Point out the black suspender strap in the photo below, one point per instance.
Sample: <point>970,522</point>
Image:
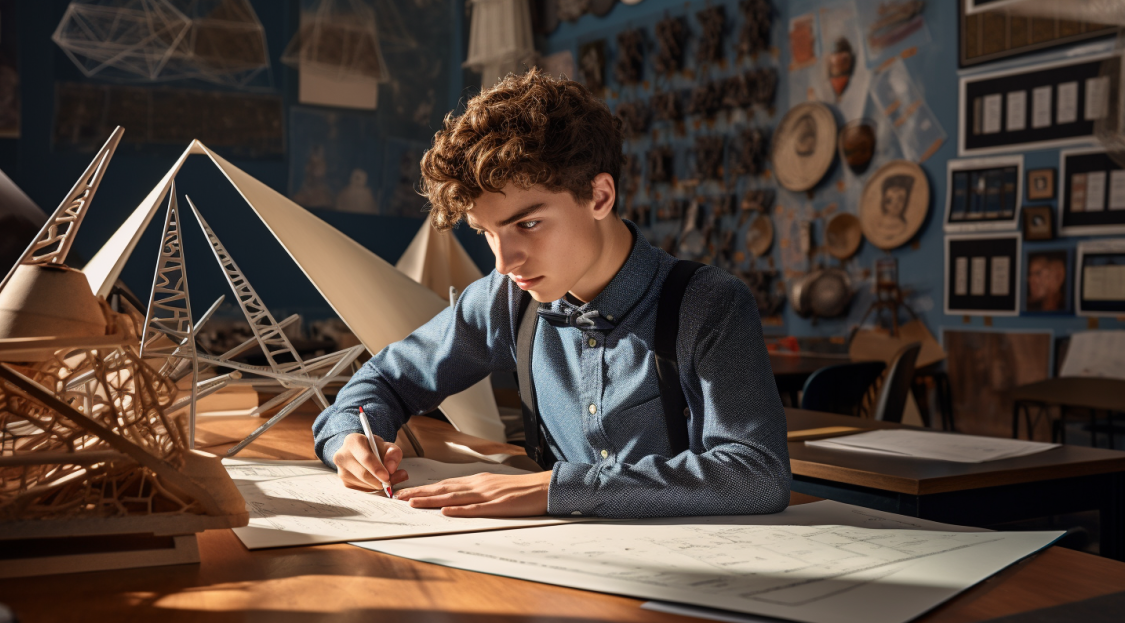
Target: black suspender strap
<point>676,411</point>
<point>672,397</point>
<point>534,442</point>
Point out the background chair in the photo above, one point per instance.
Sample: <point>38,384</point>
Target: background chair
<point>841,388</point>
<point>896,386</point>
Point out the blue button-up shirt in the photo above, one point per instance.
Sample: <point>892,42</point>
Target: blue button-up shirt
<point>598,394</point>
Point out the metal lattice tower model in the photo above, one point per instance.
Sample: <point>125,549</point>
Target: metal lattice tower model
<point>270,335</point>
<point>54,240</point>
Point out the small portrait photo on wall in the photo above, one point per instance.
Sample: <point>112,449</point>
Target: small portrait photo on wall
<point>1038,223</point>
<point>1048,282</point>
<point>1040,184</point>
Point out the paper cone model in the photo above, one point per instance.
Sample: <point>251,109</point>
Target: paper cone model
<point>378,303</point>
<point>437,260</point>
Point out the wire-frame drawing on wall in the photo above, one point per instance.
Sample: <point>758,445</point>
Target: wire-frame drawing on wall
<point>218,41</point>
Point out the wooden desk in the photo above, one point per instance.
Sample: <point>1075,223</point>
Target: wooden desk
<point>1089,394</point>
<point>1061,480</point>
<point>791,370</point>
<point>346,583</point>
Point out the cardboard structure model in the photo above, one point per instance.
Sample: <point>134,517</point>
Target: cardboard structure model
<point>379,304</point>
<point>438,261</point>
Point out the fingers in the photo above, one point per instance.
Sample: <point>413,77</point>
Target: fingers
<point>399,476</point>
<point>392,455</point>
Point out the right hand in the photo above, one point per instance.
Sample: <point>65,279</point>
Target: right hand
<point>358,469</point>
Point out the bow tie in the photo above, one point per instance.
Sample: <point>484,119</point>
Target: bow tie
<point>587,321</point>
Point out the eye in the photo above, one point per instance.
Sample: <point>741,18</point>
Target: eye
<point>528,224</point>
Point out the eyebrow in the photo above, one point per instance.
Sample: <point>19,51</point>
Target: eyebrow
<point>522,213</point>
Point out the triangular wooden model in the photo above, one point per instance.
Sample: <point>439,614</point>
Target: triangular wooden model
<point>379,304</point>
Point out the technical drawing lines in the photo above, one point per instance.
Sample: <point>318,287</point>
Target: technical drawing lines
<point>53,243</point>
<point>275,345</point>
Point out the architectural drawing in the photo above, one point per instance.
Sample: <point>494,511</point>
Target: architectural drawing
<point>815,563</point>
<point>304,502</point>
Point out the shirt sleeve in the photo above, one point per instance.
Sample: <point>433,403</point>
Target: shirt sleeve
<point>454,350</point>
<point>738,461</point>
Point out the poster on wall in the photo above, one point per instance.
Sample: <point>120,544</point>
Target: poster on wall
<point>9,72</point>
<point>987,32</point>
<point>1042,106</point>
<point>985,193</point>
<point>1100,277</point>
<point>336,160</point>
<point>1047,282</point>
<point>982,274</point>
<point>984,367</point>
<point>1092,199</point>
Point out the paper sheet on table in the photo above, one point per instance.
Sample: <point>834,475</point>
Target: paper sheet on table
<point>942,446</point>
<point>1095,353</point>
<point>817,563</point>
<point>304,503</point>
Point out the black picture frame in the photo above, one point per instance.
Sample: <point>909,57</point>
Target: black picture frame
<point>983,274</point>
<point>1102,209</point>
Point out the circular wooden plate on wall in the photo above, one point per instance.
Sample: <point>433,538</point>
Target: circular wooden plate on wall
<point>894,204</point>
<point>843,235</point>
<point>759,236</point>
<point>804,146</point>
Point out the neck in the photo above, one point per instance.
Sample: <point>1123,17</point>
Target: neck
<point>617,245</point>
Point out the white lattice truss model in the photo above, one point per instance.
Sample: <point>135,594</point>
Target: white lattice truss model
<point>302,380</point>
<point>220,41</point>
<point>319,250</point>
<point>53,243</point>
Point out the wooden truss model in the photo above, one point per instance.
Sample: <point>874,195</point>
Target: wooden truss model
<point>90,443</point>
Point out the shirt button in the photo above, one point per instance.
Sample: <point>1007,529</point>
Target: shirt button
<point>593,409</point>
<point>576,513</point>
<point>609,318</point>
<point>605,454</point>
<point>592,342</point>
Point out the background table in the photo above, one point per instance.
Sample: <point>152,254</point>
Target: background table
<point>345,583</point>
<point>1062,480</point>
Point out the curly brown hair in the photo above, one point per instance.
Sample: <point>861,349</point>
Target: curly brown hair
<point>527,130</point>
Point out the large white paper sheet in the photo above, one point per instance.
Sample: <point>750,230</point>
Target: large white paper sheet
<point>942,446</point>
<point>304,503</point>
<point>818,563</point>
<point>1095,353</point>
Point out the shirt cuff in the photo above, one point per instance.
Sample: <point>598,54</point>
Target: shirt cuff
<point>330,447</point>
<point>572,489</point>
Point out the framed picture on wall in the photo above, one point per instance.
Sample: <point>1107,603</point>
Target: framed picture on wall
<point>1036,107</point>
<point>1099,277</point>
<point>987,32</point>
<point>1047,281</point>
<point>1092,199</point>
<point>1041,184</point>
<point>985,194</point>
<point>1038,223</point>
<point>982,274</point>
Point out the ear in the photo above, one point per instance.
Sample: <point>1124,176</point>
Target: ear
<point>605,196</point>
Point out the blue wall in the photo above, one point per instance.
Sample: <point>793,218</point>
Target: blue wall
<point>935,71</point>
<point>46,174</point>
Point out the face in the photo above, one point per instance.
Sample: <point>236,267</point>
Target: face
<point>547,242</point>
<point>1045,277</point>
<point>894,201</point>
<point>806,136</point>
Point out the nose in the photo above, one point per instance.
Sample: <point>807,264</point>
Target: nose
<point>509,254</point>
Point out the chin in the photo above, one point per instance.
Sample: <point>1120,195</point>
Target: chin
<point>546,295</point>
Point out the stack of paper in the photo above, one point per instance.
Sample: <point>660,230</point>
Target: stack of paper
<point>941,446</point>
<point>819,563</point>
<point>1095,353</point>
<point>304,502</point>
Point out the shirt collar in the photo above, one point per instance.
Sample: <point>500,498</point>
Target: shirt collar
<point>627,287</point>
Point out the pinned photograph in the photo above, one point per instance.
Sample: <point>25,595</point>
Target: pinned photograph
<point>1048,282</point>
<point>1038,223</point>
<point>1040,184</point>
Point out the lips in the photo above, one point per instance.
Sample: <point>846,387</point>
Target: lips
<point>525,284</point>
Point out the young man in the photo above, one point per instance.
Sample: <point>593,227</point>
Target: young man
<point>533,164</point>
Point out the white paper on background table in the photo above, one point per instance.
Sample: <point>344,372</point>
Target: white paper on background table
<point>304,503</point>
<point>1095,353</point>
<point>817,563</point>
<point>941,446</point>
